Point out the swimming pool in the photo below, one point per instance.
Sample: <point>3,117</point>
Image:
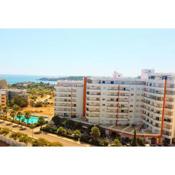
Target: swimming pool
<point>31,120</point>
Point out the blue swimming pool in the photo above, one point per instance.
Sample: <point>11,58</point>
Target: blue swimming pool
<point>31,120</point>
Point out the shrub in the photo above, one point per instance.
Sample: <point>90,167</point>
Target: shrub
<point>70,132</point>
<point>116,142</point>
<point>85,138</point>
<point>77,134</point>
<point>25,139</point>
<point>61,131</point>
<point>102,142</point>
<point>141,142</point>
<point>41,121</point>
<point>40,142</point>
<point>4,131</point>
<point>15,135</point>
<point>19,101</point>
<point>55,144</point>
<point>48,128</point>
<point>38,104</point>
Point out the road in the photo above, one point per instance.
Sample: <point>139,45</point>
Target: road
<point>50,137</point>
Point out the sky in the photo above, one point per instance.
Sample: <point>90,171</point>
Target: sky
<point>96,52</point>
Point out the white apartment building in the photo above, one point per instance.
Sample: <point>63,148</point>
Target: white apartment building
<point>111,101</point>
<point>159,104</point>
<point>69,99</point>
<point>148,100</point>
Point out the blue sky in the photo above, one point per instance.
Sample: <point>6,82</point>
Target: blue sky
<point>86,51</point>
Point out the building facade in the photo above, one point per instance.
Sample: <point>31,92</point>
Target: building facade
<point>148,100</point>
<point>3,98</point>
<point>111,101</point>
<point>159,105</point>
<point>11,93</point>
<point>69,99</point>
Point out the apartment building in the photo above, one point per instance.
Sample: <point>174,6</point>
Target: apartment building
<point>69,99</point>
<point>111,101</point>
<point>105,101</point>
<point>148,100</point>
<point>3,98</point>
<point>159,105</point>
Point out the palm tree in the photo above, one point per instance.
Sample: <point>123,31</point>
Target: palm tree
<point>95,132</point>
<point>5,111</point>
<point>13,114</point>
<point>0,108</point>
<point>16,107</point>
<point>19,116</point>
<point>134,140</point>
<point>27,116</point>
<point>0,111</point>
<point>77,134</point>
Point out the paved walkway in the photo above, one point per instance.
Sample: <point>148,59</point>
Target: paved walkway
<point>50,137</point>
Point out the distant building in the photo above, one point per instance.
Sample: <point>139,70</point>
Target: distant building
<point>3,98</point>
<point>116,75</point>
<point>11,93</point>
<point>146,73</point>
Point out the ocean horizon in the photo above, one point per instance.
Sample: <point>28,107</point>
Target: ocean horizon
<point>12,79</point>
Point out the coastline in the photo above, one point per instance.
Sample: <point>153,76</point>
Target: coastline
<point>13,79</point>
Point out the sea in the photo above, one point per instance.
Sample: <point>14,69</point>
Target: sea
<point>12,79</point>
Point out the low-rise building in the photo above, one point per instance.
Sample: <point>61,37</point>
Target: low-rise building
<point>11,93</point>
<point>3,98</point>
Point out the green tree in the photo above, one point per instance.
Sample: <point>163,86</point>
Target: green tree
<point>117,142</point>
<point>95,132</point>
<point>16,108</point>
<point>27,116</point>
<point>41,121</point>
<point>61,131</point>
<point>134,140</point>
<point>13,114</point>
<point>77,134</point>
<point>5,111</point>
<point>19,101</point>
<point>19,116</point>
<point>1,111</point>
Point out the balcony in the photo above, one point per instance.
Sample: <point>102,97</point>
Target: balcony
<point>92,111</point>
<point>94,89</point>
<point>93,104</point>
<point>93,99</point>
<point>93,93</point>
<point>61,100</point>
